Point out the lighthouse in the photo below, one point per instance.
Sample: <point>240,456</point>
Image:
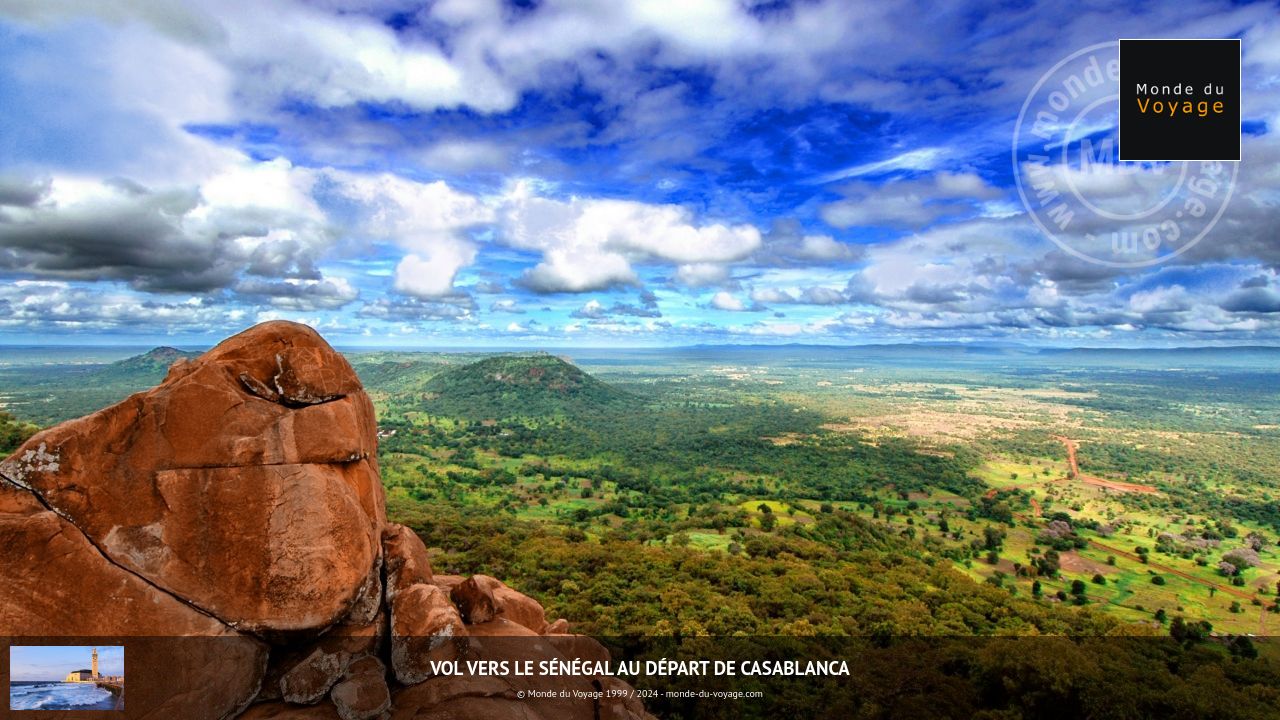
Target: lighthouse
<point>95,663</point>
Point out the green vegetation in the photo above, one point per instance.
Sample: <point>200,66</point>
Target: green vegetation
<point>13,432</point>
<point>519,386</point>
<point>812,491</point>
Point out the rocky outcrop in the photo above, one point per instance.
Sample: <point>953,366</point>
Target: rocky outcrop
<point>228,526</point>
<point>263,509</point>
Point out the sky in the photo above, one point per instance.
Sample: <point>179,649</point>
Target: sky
<point>589,173</point>
<point>53,662</point>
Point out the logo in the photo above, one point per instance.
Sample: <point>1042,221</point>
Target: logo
<point>1180,100</point>
<point>1082,196</point>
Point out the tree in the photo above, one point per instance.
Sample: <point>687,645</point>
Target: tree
<point>1241,646</point>
<point>768,521</point>
<point>1157,580</point>
<point>1098,579</point>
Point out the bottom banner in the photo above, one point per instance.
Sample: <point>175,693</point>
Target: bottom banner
<point>1195,674</point>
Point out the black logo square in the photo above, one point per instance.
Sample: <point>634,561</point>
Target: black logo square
<point>1179,100</point>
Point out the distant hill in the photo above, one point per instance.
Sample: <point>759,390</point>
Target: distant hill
<point>511,385</point>
<point>143,370</point>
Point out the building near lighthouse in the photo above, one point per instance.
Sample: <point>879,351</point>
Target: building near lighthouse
<point>88,675</point>
<point>79,676</point>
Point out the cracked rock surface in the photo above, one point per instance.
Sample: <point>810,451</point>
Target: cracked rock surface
<point>229,528</point>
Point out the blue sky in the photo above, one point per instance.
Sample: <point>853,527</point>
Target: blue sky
<point>53,662</point>
<point>592,173</point>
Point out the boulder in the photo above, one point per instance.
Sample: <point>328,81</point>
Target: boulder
<point>57,584</point>
<point>425,627</point>
<point>481,598</point>
<point>310,679</point>
<point>447,582</point>
<point>245,484</point>
<point>344,640</point>
<point>363,692</point>
<point>407,560</point>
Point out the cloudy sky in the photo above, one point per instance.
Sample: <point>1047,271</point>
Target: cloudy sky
<point>589,172</point>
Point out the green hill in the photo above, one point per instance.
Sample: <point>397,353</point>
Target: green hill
<point>142,371</point>
<point>519,385</point>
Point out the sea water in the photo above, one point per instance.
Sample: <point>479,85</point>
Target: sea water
<point>27,695</point>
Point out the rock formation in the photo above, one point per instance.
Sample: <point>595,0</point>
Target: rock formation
<point>228,526</point>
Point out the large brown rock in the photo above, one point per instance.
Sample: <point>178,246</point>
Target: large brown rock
<point>310,679</point>
<point>245,484</point>
<point>57,584</point>
<point>425,627</point>
<point>363,692</point>
<point>481,598</point>
<point>407,560</point>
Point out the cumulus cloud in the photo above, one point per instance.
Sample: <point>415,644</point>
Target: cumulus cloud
<point>54,306</point>
<point>430,220</point>
<point>589,244</point>
<point>787,245</point>
<point>156,96</point>
<point>254,218</point>
<point>697,275</point>
<point>724,300</point>
<point>299,294</point>
<point>506,305</point>
<point>412,309</point>
<point>812,295</point>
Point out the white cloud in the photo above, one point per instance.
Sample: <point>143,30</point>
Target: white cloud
<point>696,275</point>
<point>505,305</point>
<point>771,296</point>
<point>589,244</point>
<point>727,301</point>
<point>431,274</point>
<point>37,305</point>
<point>919,159</point>
<point>427,219</point>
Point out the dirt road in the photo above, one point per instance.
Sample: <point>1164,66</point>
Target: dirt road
<point>1097,481</point>
<point>1172,571</point>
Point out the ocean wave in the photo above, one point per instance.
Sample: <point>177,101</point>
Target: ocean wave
<point>59,696</point>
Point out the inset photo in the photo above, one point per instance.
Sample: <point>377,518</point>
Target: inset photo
<point>66,677</point>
